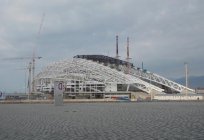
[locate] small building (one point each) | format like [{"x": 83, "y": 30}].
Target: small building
[{"x": 200, "y": 90}]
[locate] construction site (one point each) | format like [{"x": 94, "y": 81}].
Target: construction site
[{"x": 101, "y": 77}]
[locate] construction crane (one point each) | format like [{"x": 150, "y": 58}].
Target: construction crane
[
  {"x": 33, "y": 59},
  {"x": 31, "y": 69}
]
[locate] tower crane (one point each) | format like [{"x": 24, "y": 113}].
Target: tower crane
[
  {"x": 31, "y": 69},
  {"x": 33, "y": 59}
]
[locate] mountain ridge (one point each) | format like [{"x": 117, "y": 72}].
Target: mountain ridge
[{"x": 193, "y": 81}]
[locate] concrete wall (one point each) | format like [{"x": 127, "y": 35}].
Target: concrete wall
[
  {"x": 178, "y": 97},
  {"x": 135, "y": 96}
]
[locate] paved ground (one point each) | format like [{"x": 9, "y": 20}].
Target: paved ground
[{"x": 150, "y": 120}]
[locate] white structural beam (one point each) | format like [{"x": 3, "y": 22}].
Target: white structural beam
[
  {"x": 117, "y": 76},
  {"x": 158, "y": 79},
  {"x": 88, "y": 70}
]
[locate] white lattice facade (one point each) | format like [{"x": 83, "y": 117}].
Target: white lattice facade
[{"x": 83, "y": 75}]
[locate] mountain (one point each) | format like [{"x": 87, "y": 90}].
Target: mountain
[{"x": 193, "y": 81}]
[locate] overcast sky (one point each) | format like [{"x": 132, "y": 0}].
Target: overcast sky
[{"x": 163, "y": 34}]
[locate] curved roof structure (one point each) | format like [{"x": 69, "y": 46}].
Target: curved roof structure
[{"x": 99, "y": 70}]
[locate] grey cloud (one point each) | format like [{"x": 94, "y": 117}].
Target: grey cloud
[{"x": 163, "y": 34}]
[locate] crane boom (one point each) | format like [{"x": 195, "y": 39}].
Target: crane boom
[
  {"x": 22, "y": 58},
  {"x": 32, "y": 62}
]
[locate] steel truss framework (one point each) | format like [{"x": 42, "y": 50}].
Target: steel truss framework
[
  {"x": 89, "y": 71},
  {"x": 152, "y": 77},
  {"x": 127, "y": 67}
]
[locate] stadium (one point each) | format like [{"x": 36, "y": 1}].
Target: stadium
[{"x": 99, "y": 76}]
